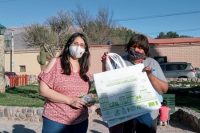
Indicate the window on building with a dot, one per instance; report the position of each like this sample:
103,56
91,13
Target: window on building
22,68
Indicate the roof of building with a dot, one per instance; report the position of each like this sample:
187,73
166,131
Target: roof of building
174,40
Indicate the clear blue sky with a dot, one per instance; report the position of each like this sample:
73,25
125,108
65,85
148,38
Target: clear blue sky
181,16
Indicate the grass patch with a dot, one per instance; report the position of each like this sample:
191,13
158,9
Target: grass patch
26,96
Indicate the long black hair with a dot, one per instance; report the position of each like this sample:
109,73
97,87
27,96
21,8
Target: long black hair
83,61
139,40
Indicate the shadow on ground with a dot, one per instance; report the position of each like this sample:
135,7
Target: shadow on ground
94,131
19,128
182,126
100,122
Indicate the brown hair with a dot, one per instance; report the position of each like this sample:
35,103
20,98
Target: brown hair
140,41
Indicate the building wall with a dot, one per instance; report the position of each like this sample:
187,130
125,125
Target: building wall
27,58
179,53
188,53
98,51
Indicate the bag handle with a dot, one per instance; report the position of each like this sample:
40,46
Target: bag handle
117,59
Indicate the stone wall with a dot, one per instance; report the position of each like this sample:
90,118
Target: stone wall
182,115
188,117
21,113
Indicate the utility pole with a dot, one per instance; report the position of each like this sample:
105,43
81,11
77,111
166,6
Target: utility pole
12,52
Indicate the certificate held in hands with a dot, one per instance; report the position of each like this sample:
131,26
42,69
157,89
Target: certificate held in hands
124,94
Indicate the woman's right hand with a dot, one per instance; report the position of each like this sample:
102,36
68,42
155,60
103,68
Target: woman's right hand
103,60
98,111
77,103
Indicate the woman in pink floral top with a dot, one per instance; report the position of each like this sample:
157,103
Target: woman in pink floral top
62,83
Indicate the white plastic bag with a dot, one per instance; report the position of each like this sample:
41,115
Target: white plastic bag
114,61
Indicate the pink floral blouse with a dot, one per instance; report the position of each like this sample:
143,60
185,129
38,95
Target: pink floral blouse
69,85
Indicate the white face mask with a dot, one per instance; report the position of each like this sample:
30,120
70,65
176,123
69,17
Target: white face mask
76,51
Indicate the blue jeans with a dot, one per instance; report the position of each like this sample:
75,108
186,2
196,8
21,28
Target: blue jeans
50,126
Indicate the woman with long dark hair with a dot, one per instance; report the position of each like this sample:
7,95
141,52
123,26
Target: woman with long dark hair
62,83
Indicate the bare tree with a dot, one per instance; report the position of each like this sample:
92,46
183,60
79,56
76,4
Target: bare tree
41,36
82,18
105,24
121,35
98,28
38,35
61,24
104,18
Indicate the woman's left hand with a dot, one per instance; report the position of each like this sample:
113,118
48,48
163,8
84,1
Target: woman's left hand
148,70
77,103
89,99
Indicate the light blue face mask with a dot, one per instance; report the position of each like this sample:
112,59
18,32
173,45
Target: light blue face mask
76,51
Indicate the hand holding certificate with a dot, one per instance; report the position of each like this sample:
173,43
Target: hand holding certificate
124,94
